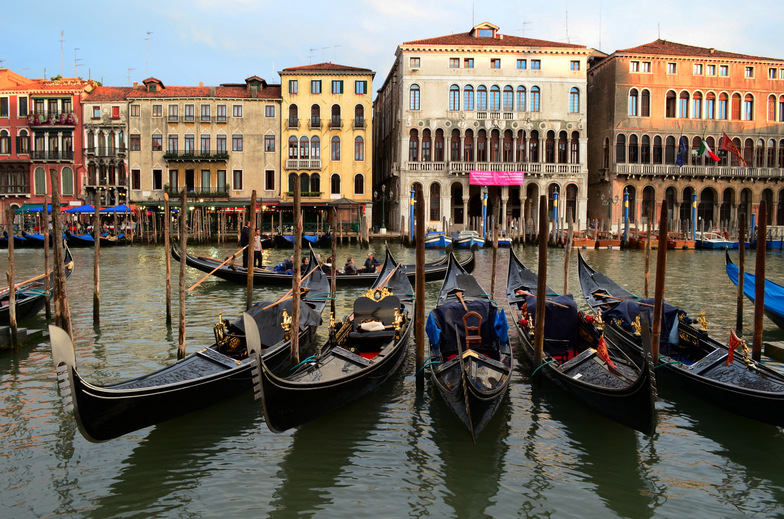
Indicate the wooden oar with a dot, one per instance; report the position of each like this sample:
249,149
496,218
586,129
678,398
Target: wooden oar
216,268
287,295
545,299
389,276
606,296
460,297
17,285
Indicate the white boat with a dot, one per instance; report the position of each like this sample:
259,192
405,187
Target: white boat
467,239
714,240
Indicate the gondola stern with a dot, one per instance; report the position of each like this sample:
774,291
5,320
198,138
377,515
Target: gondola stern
253,346
65,363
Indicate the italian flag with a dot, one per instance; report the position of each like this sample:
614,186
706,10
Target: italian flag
705,150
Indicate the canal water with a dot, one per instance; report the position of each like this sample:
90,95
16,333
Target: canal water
396,453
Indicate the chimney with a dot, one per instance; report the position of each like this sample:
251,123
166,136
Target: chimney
135,84
500,36
201,83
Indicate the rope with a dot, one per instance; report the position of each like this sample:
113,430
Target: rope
541,366
428,362
666,363
312,358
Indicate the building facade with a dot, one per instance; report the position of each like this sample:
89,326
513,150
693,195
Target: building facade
219,143
646,100
328,133
483,101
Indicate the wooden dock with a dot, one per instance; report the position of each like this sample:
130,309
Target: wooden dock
774,350
24,336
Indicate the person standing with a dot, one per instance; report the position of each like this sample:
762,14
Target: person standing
257,249
245,241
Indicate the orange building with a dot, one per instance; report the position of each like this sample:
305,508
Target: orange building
651,107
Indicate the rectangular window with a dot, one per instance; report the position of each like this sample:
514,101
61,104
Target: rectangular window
136,142
574,65
157,179
236,179
710,70
136,110
236,111
136,179
220,144
188,144
335,149
781,73
221,184
724,70
495,63
115,112
157,142
23,106
269,180
414,62
173,113
772,73
293,86
173,143
360,87
205,144
236,143
220,113
337,86
536,64
521,64
454,62
646,66
205,180
174,178
269,143
634,66
315,86
157,110
468,63
698,69
96,112
749,72
671,68
205,113
190,112
269,111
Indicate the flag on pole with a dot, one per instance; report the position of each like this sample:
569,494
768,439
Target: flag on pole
705,150
728,145
681,150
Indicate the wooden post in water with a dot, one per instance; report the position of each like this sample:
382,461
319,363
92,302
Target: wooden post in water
759,281
183,251
9,217
496,211
568,255
167,253
62,310
96,261
251,252
658,294
297,277
47,287
419,297
741,272
541,290
647,260
333,217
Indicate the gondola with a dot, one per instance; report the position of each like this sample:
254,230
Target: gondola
688,356
574,358
235,272
31,295
470,353
211,375
774,293
362,352
80,240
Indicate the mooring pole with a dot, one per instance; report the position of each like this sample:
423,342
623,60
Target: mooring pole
47,268
658,294
647,260
759,281
61,297
183,252
9,217
334,267
496,212
568,255
419,311
167,252
96,261
541,285
741,272
250,252
297,277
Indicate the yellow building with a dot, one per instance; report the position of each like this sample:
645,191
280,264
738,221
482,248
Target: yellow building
326,137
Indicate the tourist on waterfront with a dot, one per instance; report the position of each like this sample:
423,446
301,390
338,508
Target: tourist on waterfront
245,241
349,267
371,264
257,250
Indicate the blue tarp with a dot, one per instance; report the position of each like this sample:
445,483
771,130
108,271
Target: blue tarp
774,293
117,209
81,209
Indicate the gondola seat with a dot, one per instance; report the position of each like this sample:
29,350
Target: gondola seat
367,310
472,324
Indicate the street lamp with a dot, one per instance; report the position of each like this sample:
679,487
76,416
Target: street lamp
383,197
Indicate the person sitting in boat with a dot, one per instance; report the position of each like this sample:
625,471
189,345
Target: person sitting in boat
287,267
305,264
371,264
350,267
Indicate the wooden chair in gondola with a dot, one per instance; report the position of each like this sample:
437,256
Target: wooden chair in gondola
472,329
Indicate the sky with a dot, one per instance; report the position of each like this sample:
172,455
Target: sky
183,43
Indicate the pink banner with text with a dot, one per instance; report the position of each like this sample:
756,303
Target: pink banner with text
496,178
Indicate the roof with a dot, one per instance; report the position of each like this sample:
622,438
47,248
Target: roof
500,40
269,92
328,66
103,93
671,48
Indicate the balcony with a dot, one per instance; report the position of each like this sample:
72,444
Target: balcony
305,194
15,190
117,153
293,122
303,164
460,168
196,156
107,180
199,192
314,123
66,156
336,122
67,119
359,122
671,170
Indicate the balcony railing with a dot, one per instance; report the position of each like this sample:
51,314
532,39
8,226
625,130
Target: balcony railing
117,180
52,119
336,122
463,168
303,164
306,194
315,122
52,155
198,191
106,152
196,156
15,190
359,122
657,170
293,122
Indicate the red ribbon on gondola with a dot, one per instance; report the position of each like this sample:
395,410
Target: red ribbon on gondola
601,350
734,343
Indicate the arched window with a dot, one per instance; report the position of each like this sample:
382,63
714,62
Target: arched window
40,181
468,146
781,108
522,146
435,201
683,105
334,184
634,150
669,150
481,98
645,150
495,98
5,142
426,149
335,148
645,104
413,97
508,99
771,161
521,98
620,149
67,182
359,149
723,110
454,97
748,108
633,102
771,108
315,116
304,183
710,105
574,100
359,116
468,98
438,155
534,99
304,148
292,147
696,105
315,184
759,154
658,156
549,148
481,146
413,145
359,184
736,107
23,142
670,104
574,154
335,122
315,148
454,145
293,116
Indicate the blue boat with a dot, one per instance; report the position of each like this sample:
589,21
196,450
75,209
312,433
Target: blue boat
714,240
774,293
437,240
467,239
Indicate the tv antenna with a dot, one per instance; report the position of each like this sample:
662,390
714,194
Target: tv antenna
147,55
76,63
522,29
129,75
310,56
62,39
